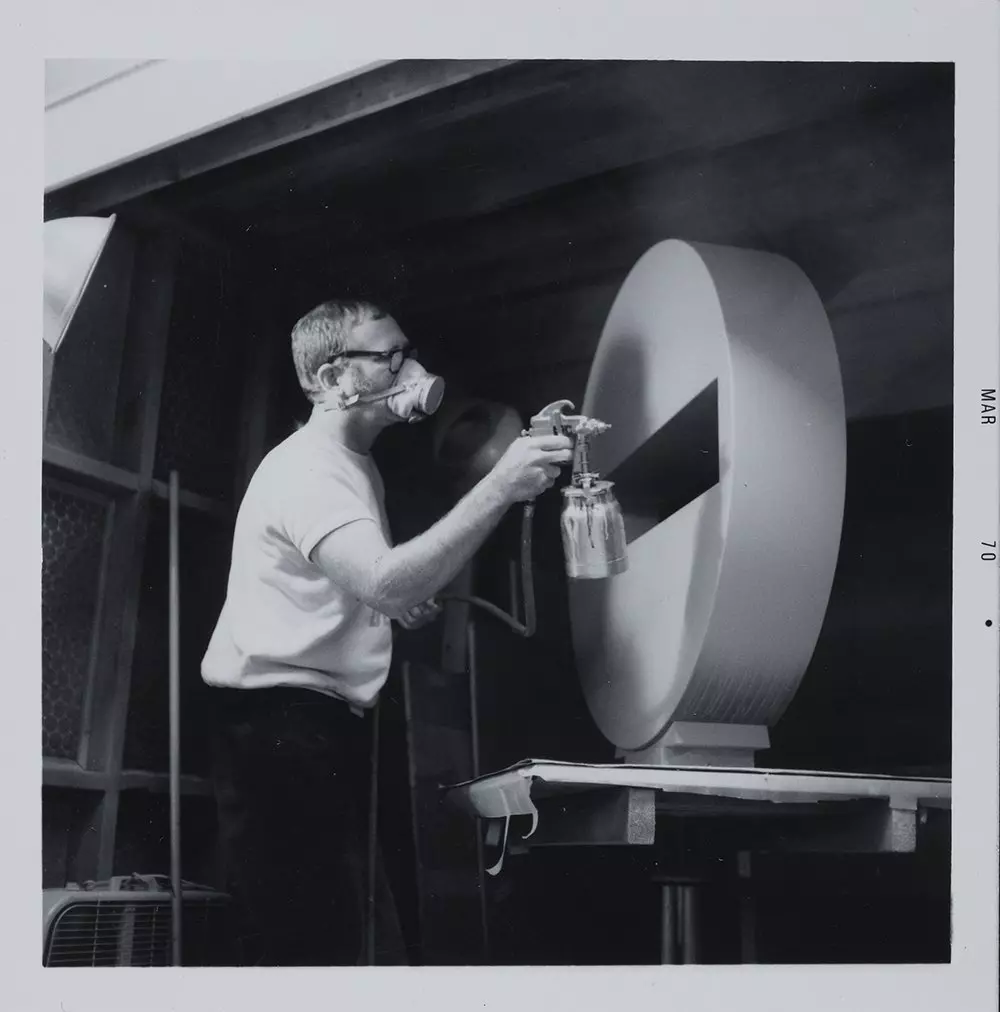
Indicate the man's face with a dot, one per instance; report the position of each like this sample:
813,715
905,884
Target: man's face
373,375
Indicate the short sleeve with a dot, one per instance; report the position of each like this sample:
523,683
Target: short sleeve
320,505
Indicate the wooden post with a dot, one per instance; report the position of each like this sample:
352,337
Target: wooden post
149,324
372,844
107,698
175,726
255,409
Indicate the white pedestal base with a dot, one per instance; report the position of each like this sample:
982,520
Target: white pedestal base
687,743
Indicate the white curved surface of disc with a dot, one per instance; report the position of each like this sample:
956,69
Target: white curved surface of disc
717,616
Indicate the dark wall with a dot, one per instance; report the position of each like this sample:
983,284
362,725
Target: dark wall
877,693
601,905
67,816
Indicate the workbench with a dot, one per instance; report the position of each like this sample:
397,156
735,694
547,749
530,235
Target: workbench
755,811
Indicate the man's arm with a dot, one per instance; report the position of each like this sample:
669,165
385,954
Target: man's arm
394,580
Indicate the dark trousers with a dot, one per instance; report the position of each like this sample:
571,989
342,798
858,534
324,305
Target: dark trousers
292,776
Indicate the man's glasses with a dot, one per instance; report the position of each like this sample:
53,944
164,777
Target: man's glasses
394,356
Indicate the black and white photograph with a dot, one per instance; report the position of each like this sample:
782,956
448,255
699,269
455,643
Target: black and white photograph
502,513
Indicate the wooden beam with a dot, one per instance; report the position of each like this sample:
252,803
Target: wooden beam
627,816
380,88
378,141
603,817
886,826
66,773
100,650
194,501
150,214
100,744
159,783
737,105
94,473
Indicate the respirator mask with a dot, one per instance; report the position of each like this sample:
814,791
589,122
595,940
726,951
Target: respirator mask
414,395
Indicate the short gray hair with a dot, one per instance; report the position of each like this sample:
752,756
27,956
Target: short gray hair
323,333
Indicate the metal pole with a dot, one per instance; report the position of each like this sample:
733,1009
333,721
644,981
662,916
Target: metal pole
175,727
470,651
668,923
689,923
372,844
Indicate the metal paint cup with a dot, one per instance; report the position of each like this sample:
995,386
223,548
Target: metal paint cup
593,532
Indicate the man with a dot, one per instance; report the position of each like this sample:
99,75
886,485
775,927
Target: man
304,641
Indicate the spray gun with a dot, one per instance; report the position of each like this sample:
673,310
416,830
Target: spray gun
552,420
593,531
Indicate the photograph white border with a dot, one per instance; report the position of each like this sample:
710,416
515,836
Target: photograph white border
962,31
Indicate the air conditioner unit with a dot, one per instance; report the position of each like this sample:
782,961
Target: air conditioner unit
126,922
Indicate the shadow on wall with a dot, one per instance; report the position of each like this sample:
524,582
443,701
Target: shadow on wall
877,693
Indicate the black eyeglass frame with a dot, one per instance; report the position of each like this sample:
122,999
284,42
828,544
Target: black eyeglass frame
382,356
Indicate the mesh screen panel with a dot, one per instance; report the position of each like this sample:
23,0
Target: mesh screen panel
73,532
197,433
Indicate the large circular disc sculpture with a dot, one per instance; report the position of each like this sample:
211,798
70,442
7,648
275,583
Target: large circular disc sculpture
718,373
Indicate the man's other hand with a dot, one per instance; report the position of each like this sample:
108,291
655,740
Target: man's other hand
420,615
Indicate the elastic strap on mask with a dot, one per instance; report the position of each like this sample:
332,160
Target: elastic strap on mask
349,402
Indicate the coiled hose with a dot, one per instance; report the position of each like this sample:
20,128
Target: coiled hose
527,627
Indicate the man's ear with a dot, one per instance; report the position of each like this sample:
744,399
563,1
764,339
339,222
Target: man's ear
328,375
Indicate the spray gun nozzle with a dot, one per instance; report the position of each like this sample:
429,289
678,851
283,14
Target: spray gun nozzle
590,426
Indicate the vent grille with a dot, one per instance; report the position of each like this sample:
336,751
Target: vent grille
133,932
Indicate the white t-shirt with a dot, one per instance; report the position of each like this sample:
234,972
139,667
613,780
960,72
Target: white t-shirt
284,622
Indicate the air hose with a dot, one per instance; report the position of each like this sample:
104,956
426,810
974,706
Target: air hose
527,627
